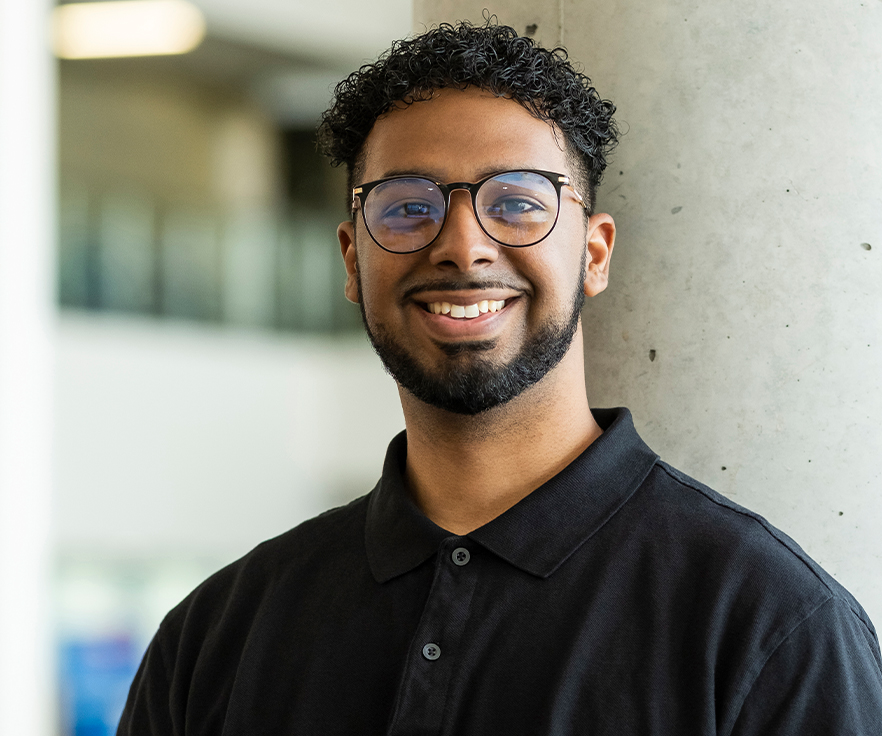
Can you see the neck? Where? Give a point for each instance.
(464, 471)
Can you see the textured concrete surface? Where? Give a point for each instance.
(541, 20)
(743, 323)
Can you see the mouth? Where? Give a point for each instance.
(454, 315)
(465, 311)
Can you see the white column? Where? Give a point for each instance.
(743, 322)
(27, 212)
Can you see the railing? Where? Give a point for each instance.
(123, 251)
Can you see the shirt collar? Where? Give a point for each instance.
(536, 535)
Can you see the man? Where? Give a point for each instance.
(524, 565)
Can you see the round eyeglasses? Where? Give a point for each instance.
(404, 214)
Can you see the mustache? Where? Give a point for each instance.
(460, 285)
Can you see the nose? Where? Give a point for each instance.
(462, 244)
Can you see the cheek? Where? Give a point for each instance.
(568, 259)
(376, 281)
(554, 271)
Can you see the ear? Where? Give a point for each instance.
(600, 238)
(346, 236)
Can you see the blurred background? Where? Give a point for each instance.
(181, 378)
(205, 367)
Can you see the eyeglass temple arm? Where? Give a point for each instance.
(565, 181)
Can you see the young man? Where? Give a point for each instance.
(524, 565)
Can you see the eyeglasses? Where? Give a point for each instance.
(404, 214)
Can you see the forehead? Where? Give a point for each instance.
(461, 135)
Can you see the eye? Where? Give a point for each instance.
(415, 209)
(410, 210)
(515, 208)
(404, 202)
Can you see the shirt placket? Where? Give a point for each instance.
(434, 652)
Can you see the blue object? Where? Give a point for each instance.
(95, 679)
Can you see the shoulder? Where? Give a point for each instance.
(747, 557)
(290, 561)
(752, 602)
(195, 656)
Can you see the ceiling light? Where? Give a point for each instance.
(126, 28)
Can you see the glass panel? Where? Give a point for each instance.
(321, 273)
(190, 266)
(76, 277)
(249, 243)
(126, 256)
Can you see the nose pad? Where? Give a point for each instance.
(462, 242)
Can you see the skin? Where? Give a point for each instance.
(463, 471)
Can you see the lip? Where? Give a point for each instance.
(465, 297)
(444, 328)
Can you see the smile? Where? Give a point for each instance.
(465, 311)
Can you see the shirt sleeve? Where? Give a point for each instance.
(825, 678)
(148, 708)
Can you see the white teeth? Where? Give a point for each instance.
(468, 311)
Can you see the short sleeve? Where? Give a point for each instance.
(825, 678)
(147, 711)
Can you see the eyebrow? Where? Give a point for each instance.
(426, 174)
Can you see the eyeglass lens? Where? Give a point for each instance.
(515, 208)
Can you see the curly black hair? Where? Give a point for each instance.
(491, 57)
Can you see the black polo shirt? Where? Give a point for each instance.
(621, 597)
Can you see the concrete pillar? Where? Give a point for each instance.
(743, 323)
(27, 144)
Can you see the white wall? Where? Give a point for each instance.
(185, 441)
(748, 195)
(26, 312)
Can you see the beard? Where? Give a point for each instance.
(469, 384)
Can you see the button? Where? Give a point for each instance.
(461, 556)
(431, 651)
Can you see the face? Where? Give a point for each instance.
(454, 360)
